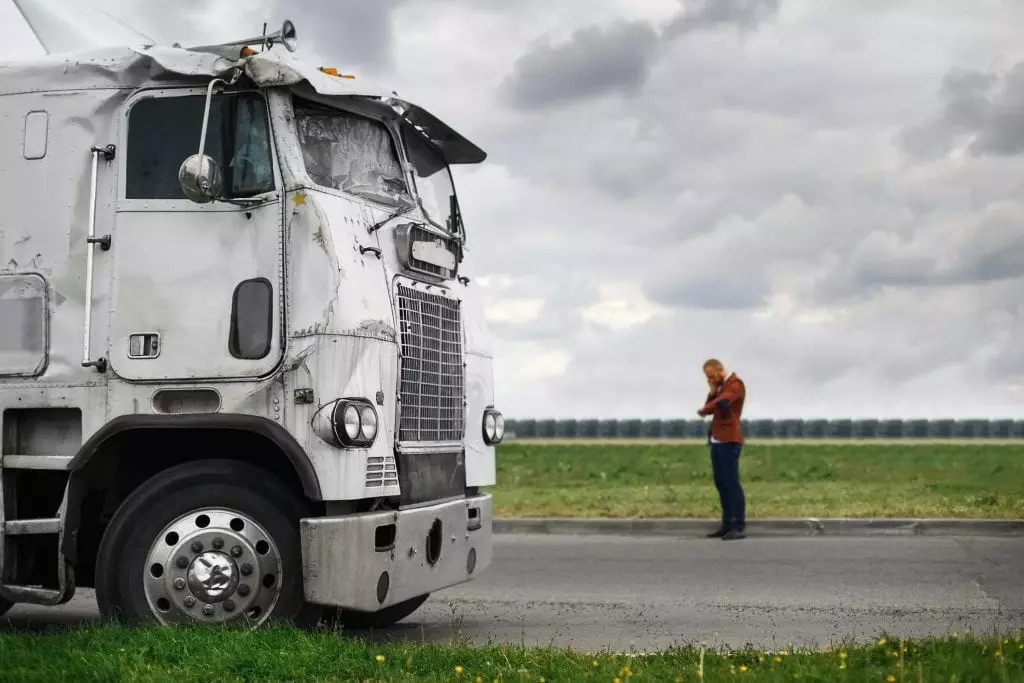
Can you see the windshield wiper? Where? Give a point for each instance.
(401, 212)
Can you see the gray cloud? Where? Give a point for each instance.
(984, 106)
(700, 15)
(1003, 132)
(617, 59)
(594, 61)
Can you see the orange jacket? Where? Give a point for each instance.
(726, 408)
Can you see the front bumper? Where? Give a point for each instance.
(372, 560)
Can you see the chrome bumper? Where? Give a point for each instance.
(372, 560)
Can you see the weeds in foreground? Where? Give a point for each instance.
(114, 654)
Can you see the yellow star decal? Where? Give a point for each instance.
(299, 198)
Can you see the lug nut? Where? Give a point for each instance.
(190, 601)
(197, 547)
(243, 590)
(179, 583)
(236, 551)
(208, 610)
(182, 562)
(229, 605)
(218, 543)
(246, 569)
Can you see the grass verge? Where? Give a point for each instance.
(212, 654)
(982, 481)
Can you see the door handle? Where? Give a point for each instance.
(377, 252)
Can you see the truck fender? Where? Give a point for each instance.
(261, 426)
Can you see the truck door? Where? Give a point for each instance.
(197, 288)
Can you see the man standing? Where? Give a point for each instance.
(725, 405)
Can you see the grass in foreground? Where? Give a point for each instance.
(784, 480)
(204, 654)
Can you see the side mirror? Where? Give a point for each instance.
(200, 178)
(199, 175)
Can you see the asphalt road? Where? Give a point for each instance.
(628, 593)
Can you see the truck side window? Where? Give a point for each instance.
(252, 311)
(164, 131)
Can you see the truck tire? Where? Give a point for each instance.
(213, 541)
(354, 620)
(5, 606)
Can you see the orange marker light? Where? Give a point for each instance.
(331, 71)
(247, 52)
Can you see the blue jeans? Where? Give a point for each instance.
(725, 464)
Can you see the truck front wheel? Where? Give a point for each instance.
(214, 541)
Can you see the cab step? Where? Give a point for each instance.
(34, 595)
(37, 462)
(26, 527)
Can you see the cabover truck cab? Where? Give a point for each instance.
(244, 373)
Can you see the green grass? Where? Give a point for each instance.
(780, 480)
(210, 654)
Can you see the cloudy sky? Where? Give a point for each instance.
(826, 194)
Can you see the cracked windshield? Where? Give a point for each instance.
(351, 153)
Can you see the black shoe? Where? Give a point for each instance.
(733, 535)
(722, 531)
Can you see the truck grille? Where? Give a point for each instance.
(433, 396)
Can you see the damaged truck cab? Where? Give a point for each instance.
(244, 371)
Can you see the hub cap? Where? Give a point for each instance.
(212, 565)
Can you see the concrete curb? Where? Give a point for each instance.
(696, 528)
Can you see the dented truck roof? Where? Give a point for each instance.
(131, 68)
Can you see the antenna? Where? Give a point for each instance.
(285, 36)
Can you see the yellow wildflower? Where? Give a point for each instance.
(881, 642)
(891, 678)
(843, 655)
(777, 659)
(458, 670)
(842, 666)
(743, 667)
(380, 659)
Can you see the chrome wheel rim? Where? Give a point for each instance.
(212, 565)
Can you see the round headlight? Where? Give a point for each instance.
(351, 419)
(368, 423)
(499, 427)
(489, 426)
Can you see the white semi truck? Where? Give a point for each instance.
(244, 372)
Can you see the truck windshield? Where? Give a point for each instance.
(351, 153)
(433, 181)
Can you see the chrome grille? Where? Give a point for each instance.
(433, 399)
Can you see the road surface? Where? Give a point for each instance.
(626, 593)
